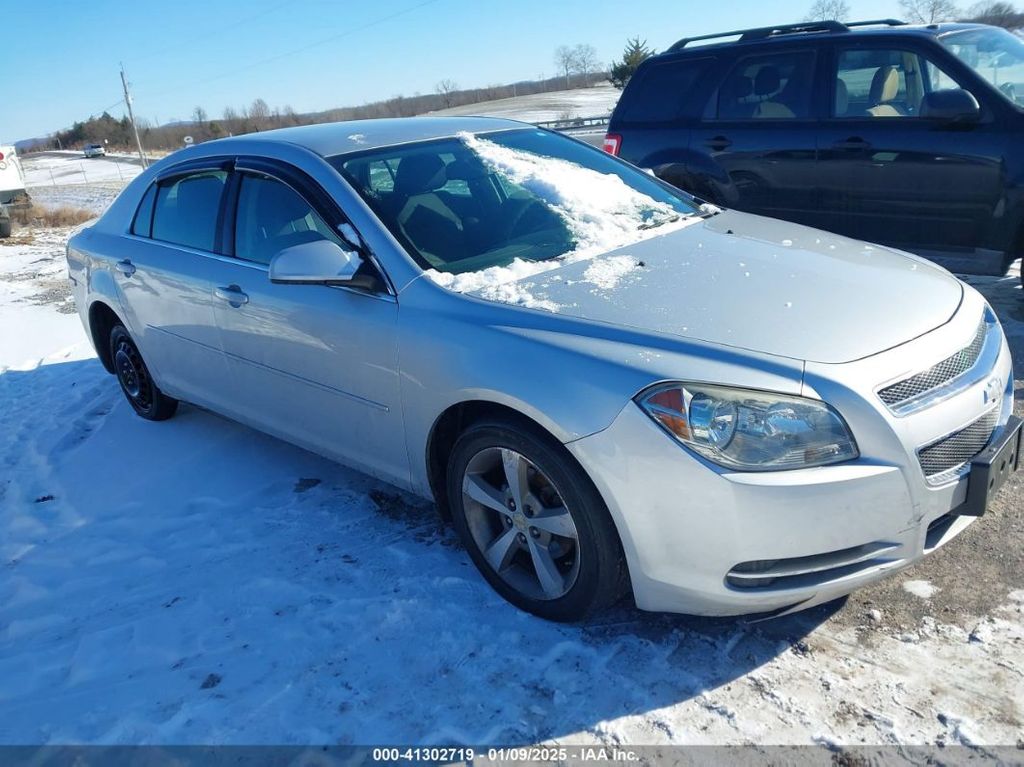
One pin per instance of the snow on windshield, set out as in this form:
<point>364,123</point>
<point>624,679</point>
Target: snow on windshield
<point>602,212</point>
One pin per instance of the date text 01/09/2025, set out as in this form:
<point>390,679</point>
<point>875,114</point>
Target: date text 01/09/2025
<point>504,754</point>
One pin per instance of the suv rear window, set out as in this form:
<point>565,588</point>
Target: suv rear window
<point>660,91</point>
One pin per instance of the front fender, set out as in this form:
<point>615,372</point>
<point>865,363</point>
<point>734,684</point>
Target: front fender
<point>573,377</point>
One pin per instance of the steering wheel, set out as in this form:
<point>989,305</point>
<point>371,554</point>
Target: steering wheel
<point>521,216</point>
<point>1009,90</point>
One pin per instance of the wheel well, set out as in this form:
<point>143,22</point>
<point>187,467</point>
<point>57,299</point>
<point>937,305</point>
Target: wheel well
<point>446,431</point>
<point>101,321</point>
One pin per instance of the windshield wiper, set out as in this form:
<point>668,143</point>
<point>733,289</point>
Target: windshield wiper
<point>656,224</point>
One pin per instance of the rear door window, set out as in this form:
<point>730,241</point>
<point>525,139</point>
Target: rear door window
<point>774,86</point>
<point>188,208</point>
<point>143,223</point>
<point>660,92</point>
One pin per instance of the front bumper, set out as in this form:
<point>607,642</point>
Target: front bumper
<point>705,540</point>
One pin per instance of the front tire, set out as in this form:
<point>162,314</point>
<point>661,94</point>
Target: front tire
<point>533,522</point>
<point>136,382</point>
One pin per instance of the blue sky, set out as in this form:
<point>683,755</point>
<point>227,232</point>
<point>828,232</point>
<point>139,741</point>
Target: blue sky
<point>317,54</point>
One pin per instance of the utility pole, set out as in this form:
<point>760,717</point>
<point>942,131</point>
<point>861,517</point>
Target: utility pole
<point>131,117</point>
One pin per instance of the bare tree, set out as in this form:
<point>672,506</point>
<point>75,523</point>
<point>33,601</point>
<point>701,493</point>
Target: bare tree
<point>259,113</point>
<point>445,89</point>
<point>997,14</point>
<point>199,116</point>
<point>586,60</point>
<point>829,10</point>
<point>565,62</point>
<point>929,11</point>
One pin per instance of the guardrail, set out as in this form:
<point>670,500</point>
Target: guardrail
<point>574,123</point>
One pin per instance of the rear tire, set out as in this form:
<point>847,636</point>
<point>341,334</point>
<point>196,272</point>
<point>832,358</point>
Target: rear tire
<point>5,224</point>
<point>549,545</point>
<point>136,382</point>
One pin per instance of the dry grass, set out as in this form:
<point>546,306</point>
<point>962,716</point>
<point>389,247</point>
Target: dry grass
<point>51,218</point>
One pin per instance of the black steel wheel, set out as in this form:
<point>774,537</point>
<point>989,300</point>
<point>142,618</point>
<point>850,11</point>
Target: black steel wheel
<point>136,382</point>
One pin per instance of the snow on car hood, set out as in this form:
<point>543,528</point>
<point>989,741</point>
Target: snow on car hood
<point>750,282</point>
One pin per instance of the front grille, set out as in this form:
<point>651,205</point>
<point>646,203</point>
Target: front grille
<point>947,458</point>
<point>941,373</point>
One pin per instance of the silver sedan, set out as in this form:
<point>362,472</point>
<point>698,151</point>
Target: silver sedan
<point>606,385</point>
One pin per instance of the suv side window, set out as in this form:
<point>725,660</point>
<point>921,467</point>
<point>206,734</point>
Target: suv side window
<point>660,92</point>
<point>271,217</point>
<point>187,209</point>
<point>884,82</point>
<point>767,87</point>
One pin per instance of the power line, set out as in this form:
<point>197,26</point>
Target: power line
<point>218,32</point>
<point>348,32</point>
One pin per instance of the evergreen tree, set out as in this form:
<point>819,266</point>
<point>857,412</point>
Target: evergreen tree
<point>635,53</point>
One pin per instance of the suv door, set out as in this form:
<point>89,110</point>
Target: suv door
<point>166,283</point>
<point>314,364</point>
<point>888,174</point>
<point>755,147</point>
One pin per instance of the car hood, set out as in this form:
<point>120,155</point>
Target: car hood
<point>755,283</point>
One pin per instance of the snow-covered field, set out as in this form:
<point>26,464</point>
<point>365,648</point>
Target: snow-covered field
<point>66,178</point>
<point>596,101</point>
<point>194,581</point>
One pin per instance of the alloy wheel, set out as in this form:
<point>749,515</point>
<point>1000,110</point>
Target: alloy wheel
<point>520,523</point>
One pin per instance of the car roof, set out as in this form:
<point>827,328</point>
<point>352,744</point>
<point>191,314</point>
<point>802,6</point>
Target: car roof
<point>790,33</point>
<point>329,139</point>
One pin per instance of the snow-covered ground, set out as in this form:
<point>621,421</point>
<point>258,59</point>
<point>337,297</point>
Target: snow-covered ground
<point>194,581</point>
<point>596,101</point>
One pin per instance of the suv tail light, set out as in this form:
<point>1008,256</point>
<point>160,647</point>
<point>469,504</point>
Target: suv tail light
<point>1,156</point>
<point>612,143</point>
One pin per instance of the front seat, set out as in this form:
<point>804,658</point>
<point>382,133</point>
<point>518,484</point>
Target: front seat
<point>767,84</point>
<point>885,86</point>
<point>430,225</point>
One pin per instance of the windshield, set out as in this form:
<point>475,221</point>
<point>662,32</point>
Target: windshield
<point>995,54</point>
<point>486,201</point>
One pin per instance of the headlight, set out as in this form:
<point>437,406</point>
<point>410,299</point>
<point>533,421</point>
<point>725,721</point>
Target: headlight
<point>750,430</point>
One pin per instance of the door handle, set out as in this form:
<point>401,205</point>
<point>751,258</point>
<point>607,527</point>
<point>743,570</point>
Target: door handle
<point>232,294</point>
<point>718,143</point>
<point>854,142</point>
<point>125,267</point>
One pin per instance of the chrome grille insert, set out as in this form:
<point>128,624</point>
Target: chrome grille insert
<point>902,395</point>
<point>948,458</point>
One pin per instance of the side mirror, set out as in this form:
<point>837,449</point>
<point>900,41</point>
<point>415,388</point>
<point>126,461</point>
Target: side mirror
<point>950,104</point>
<point>321,262</point>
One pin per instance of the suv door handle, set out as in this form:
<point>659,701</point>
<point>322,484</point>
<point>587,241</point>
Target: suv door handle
<point>854,142</point>
<point>125,267</point>
<point>232,294</point>
<point>718,143</point>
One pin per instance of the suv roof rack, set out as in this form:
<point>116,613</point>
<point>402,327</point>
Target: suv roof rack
<point>761,33</point>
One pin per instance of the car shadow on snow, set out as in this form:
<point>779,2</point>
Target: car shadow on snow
<point>330,608</point>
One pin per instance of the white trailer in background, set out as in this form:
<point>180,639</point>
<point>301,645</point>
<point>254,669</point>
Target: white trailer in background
<point>12,186</point>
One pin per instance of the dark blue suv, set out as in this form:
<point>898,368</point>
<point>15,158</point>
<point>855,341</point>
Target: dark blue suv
<point>896,134</point>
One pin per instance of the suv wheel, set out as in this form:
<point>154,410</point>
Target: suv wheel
<point>5,223</point>
<point>533,522</point>
<point>137,384</point>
